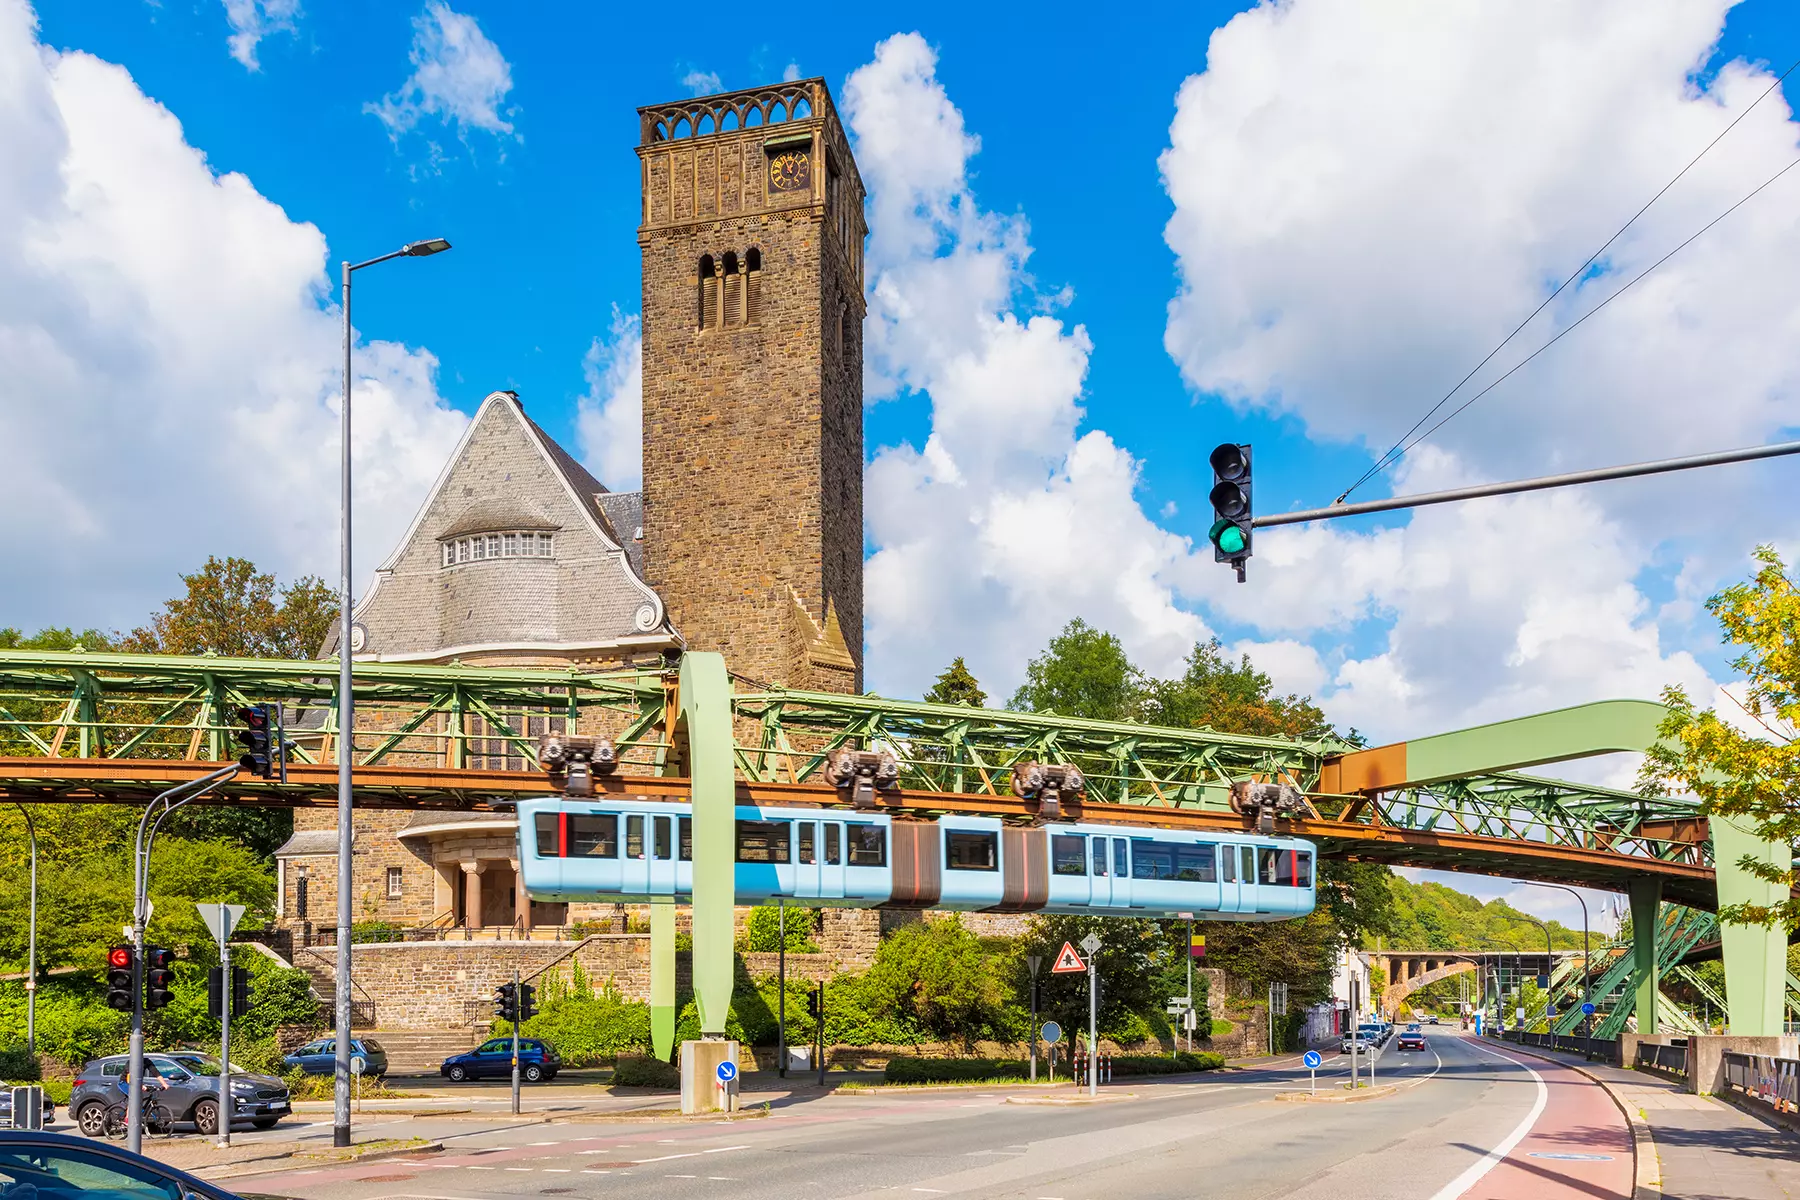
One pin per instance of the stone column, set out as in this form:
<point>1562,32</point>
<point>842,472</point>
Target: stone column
<point>471,894</point>
<point>521,902</point>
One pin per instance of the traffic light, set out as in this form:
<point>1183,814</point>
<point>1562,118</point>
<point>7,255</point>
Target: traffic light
<point>812,1004</point>
<point>159,977</point>
<point>240,991</point>
<point>527,1002</point>
<point>254,737</point>
<point>1230,496</point>
<point>506,1002</point>
<point>120,961</point>
<point>215,993</point>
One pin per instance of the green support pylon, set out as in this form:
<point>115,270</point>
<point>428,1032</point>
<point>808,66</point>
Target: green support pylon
<point>662,976</point>
<point>1646,901</point>
<point>1755,956</point>
<point>704,730</point>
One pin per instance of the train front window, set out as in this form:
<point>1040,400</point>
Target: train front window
<point>634,837</point>
<point>763,841</point>
<point>1303,869</point>
<point>965,850</point>
<point>549,844</point>
<point>1100,856</point>
<point>1277,868</point>
<point>594,836</point>
<point>868,845</point>
<point>1194,864</point>
<point>1068,854</point>
<point>1152,860</point>
<point>833,852</point>
<point>809,845</point>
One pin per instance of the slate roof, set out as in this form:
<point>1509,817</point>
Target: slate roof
<point>625,512</point>
<point>309,841</point>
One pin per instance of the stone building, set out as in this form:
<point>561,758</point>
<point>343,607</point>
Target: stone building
<point>746,538</point>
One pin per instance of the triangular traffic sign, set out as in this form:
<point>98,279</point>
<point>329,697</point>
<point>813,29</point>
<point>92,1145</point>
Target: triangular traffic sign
<point>1068,962</point>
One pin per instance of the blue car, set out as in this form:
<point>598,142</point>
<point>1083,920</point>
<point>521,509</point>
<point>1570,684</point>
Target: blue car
<point>320,1057</point>
<point>538,1062</point>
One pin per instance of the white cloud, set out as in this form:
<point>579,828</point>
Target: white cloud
<point>609,424</point>
<point>1365,201</point>
<point>253,20</point>
<point>702,83</point>
<point>1010,519</point>
<point>459,77</point>
<point>171,359</point>
<point>790,73</point>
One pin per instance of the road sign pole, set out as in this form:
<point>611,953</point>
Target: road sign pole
<point>1032,963</point>
<point>226,1104</point>
<point>1093,1022</point>
<point>519,1000</point>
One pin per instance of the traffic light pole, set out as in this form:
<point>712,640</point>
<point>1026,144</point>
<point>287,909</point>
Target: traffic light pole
<point>226,1103</point>
<point>518,1012</point>
<point>140,917</point>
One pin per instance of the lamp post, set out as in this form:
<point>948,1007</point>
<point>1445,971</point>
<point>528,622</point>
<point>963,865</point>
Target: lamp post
<point>346,746</point>
<point>1587,962</point>
<point>1549,961</point>
<point>31,952</point>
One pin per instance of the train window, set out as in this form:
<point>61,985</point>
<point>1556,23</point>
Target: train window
<point>594,836</point>
<point>1247,864</point>
<point>1276,867</point>
<point>665,838</point>
<point>762,841</point>
<point>1152,860</point>
<point>684,839</point>
<point>868,845</point>
<point>1119,867</point>
<point>1303,869</point>
<point>1068,854</point>
<point>548,843</point>
<point>833,852</point>
<point>966,850</point>
<point>1100,856</point>
<point>809,846</point>
<point>1228,864</point>
<point>1194,864</point>
<point>634,837</point>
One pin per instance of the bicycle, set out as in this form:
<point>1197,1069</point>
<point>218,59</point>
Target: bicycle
<point>158,1119</point>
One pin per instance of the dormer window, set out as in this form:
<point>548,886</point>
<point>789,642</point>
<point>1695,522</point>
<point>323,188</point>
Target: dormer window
<point>482,546</point>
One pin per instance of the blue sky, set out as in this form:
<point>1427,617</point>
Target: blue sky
<point>1294,227</point>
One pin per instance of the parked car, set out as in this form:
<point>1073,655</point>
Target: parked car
<point>261,1100</point>
<point>538,1061</point>
<point>1412,1039</point>
<point>190,1098</point>
<point>1358,1043</point>
<point>61,1165</point>
<point>320,1057</point>
<point>1431,1018</point>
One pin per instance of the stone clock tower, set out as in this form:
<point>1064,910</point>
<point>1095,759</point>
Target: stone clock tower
<point>752,238</point>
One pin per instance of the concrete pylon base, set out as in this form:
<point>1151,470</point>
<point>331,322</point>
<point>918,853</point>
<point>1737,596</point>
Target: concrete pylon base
<point>701,1091</point>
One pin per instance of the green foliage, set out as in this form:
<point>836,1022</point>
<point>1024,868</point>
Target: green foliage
<point>1754,776</point>
<point>231,609</point>
<point>57,639</point>
<point>1238,698</point>
<point>1179,1063</point>
<point>18,1064</point>
<point>592,1029</point>
<point>1132,954</point>
<point>1358,899</point>
<point>377,931</point>
<point>1299,953</point>
<point>938,977</point>
<point>1082,673</point>
<point>762,930</point>
<point>646,1072</point>
<point>73,1023</point>
<point>953,1070</point>
<point>1430,916</point>
<point>278,996</point>
<point>957,685</point>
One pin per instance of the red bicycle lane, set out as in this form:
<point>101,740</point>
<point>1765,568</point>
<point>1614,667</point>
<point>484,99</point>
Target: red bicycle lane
<point>1578,1148</point>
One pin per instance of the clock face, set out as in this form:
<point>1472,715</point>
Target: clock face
<point>790,171</point>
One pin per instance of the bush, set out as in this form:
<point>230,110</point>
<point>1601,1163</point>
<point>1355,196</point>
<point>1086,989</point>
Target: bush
<point>18,1065</point>
<point>587,1029</point>
<point>74,1026</point>
<point>377,931</point>
<point>646,1072</point>
<point>953,1070</point>
<point>1157,1064</point>
<point>763,932</point>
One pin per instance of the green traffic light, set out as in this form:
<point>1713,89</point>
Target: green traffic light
<point>1229,537</point>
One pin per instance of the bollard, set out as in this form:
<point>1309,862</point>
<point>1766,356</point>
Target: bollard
<point>1107,1078</point>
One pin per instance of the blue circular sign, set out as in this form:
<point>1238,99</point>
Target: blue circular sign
<point>727,1072</point>
<point>1587,1010</point>
<point>1052,1032</point>
<point>1312,1060</point>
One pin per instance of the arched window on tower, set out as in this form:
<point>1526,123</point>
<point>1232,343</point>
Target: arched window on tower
<point>752,286</point>
<point>734,290</point>
<point>709,293</point>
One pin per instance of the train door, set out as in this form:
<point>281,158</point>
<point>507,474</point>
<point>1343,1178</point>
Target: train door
<point>1250,892</point>
<point>1124,895</point>
<point>635,877</point>
<point>1100,872</point>
<point>1230,890</point>
<point>806,860</point>
<point>831,860</point>
<point>661,852</point>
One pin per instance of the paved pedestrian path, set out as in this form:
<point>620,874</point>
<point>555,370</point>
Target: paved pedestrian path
<point>1708,1149</point>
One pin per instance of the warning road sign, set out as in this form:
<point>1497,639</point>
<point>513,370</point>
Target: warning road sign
<point>1068,962</point>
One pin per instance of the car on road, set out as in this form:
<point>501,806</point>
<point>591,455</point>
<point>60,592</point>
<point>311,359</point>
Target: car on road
<point>96,1088</point>
<point>1375,1032</point>
<point>538,1061</point>
<point>50,1165</point>
<point>262,1100</point>
<point>1412,1038</point>
<point>1358,1042</point>
<point>320,1057</point>
<point>1431,1018</point>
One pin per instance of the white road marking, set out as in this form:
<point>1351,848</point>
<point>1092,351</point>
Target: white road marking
<point>723,1149</point>
<point>667,1157</point>
<point>1469,1178</point>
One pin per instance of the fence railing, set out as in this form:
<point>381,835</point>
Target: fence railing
<point>1774,1081</point>
<point>362,1013</point>
<point>478,1012</point>
<point>1661,1056</point>
<point>1606,1049</point>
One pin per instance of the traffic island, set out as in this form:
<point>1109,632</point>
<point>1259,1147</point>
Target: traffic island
<point>1338,1095</point>
<point>1063,1101</point>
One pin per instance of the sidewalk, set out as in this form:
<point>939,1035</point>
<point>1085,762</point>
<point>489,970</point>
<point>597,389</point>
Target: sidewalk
<point>1708,1149</point>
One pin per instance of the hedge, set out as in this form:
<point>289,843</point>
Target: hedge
<point>1159,1064</point>
<point>952,1070</point>
<point>646,1072</point>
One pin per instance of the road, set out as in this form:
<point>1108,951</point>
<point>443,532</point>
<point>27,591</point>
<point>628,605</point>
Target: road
<point>1467,1120</point>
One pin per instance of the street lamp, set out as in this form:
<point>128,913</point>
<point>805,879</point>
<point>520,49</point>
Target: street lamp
<point>1549,959</point>
<point>1587,963</point>
<point>31,953</point>
<point>346,748</point>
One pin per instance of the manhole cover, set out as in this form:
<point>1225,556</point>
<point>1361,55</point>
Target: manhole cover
<point>1576,1157</point>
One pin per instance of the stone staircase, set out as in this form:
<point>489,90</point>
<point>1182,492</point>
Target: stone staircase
<point>419,1051</point>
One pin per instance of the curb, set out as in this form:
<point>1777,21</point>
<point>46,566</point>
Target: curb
<point>1379,1092</point>
<point>283,1162</point>
<point>1646,1170</point>
<point>1062,1101</point>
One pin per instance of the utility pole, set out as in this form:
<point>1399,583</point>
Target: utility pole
<point>1032,963</point>
<point>781,984</point>
<point>518,1015</point>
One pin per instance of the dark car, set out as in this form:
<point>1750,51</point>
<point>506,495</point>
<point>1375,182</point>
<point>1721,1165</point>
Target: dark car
<point>1412,1039</point>
<point>320,1057</point>
<point>55,1164</point>
<point>189,1097</point>
<point>538,1062</point>
<point>262,1100</point>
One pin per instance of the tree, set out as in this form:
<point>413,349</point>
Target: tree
<point>1128,967</point>
<point>1084,672</point>
<point>957,685</point>
<point>1233,699</point>
<point>1358,899</point>
<point>1753,775</point>
<point>234,611</point>
<point>54,638</point>
<point>1300,953</point>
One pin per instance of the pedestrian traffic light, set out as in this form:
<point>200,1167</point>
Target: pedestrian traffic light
<point>254,737</point>
<point>506,1002</point>
<point>120,961</point>
<point>159,977</point>
<point>527,1002</point>
<point>1230,496</point>
<point>215,993</point>
<point>240,991</point>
